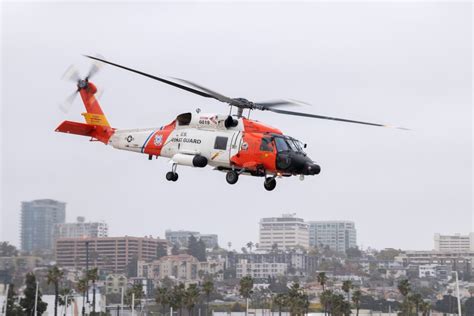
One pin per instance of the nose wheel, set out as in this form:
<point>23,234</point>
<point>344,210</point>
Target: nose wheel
<point>269,184</point>
<point>172,175</point>
<point>232,177</point>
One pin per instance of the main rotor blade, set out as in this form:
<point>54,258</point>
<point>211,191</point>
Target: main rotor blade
<point>280,103</point>
<point>216,95</point>
<point>171,83</point>
<point>329,118</point>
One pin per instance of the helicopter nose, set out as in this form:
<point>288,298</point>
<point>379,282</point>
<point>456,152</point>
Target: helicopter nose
<point>311,168</point>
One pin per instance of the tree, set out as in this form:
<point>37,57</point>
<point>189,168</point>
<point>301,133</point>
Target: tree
<point>250,246</point>
<point>356,300</point>
<point>447,305</point>
<point>7,250</point>
<point>82,286</point>
<point>161,251</point>
<point>404,288</point>
<point>245,289</point>
<point>135,293</point>
<point>425,308</point>
<point>12,308</point>
<point>93,276</point>
<point>298,301</point>
<point>280,300</point>
<point>28,301</point>
<point>162,298</point>
<point>353,252</point>
<point>416,299</point>
<point>191,295</point>
<point>197,248</point>
<point>175,250</point>
<point>229,244</point>
<point>325,299</point>
<point>54,276</point>
<point>274,248</point>
<point>322,279</point>
<point>346,287</point>
<point>207,288</point>
<point>177,297</point>
<point>388,254</point>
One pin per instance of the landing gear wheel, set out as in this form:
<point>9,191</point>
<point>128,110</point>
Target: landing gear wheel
<point>269,184</point>
<point>232,177</point>
<point>171,176</point>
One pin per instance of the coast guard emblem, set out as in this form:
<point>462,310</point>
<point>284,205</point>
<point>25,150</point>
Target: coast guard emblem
<point>158,140</point>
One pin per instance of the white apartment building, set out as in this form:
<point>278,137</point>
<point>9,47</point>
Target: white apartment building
<point>182,268</point>
<point>81,229</point>
<point>337,235</point>
<point>260,270</point>
<point>114,283</point>
<point>454,243</point>
<point>286,232</point>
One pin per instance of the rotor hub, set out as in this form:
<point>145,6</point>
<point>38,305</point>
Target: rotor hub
<point>82,83</point>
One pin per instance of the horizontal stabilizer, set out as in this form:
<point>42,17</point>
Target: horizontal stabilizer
<point>101,133</point>
<point>75,128</point>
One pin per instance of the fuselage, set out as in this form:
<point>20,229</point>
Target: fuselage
<point>246,145</point>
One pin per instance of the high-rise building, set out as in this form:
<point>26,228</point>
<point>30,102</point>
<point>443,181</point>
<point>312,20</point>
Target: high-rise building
<point>285,232</point>
<point>180,238</point>
<point>210,240</point>
<point>453,243</point>
<point>337,235</point>
<point>38,220</point>
<point>111,254</point>
<point>81,229</point>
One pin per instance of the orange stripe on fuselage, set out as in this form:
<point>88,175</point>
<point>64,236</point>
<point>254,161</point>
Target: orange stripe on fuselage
<point>158,140</point>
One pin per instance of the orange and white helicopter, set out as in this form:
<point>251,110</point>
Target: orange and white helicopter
<point>230,143</point>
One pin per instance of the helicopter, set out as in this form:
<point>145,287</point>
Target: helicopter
<point>230,143</point>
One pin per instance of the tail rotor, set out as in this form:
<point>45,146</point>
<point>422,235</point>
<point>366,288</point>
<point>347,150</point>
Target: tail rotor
<point>72,74</point>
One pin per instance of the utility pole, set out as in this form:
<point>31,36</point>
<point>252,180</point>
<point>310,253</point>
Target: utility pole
<point>36,299</point>
<point>457,293</point>
<point>133,304</point>
<point>6,299</point>
<point>87,270</point>
<point>121,302</point>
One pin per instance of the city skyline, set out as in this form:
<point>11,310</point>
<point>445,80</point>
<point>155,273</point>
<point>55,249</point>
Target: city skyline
<point>223,243</point>
<point>406,64</point>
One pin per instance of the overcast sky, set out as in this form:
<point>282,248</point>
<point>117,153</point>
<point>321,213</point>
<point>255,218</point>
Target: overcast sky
<point>405,64</point>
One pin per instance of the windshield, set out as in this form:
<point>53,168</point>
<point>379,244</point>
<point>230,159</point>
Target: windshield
<point>288,144</point>
<point>281,144</point>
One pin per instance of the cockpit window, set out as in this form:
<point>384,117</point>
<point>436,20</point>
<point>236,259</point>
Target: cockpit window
<point>266,144</point>
<point>281,144</point>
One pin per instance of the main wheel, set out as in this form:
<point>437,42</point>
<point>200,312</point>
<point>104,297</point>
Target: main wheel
<point>232,177</point>
<point>171,176</point>
<point>269,184</point>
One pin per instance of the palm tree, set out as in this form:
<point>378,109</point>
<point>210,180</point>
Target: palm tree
<point>404,288</point>
<point>356,295</point>
<point>82,286</point>
<point>250,245</point>
<point>162,298</point>
<point>208,288</point>
<point>191,296</point>
<point>280,300</point>
<point>177,297</point>
<point>93,275</point>
<point>54,276</point>
<point>245,290</point>
<point>425,308</point>
<point>471,290</point>
<point>417,299</point>
<point>326,298</point>
<point>322,279</point>
<point>346,287</point>
<point>229,244</point>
